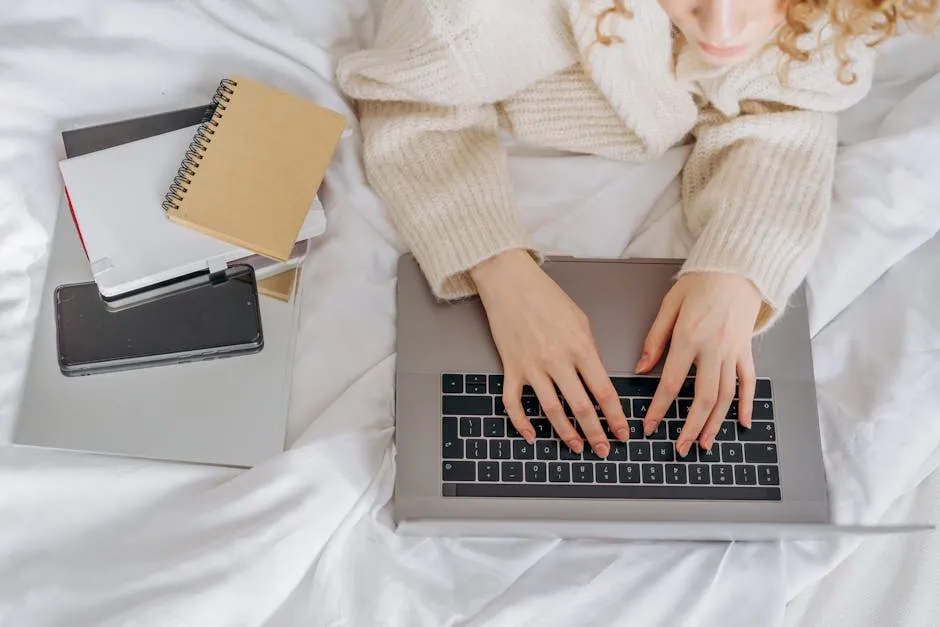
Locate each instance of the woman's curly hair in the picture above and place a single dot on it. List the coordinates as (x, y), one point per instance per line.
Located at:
(873, 21)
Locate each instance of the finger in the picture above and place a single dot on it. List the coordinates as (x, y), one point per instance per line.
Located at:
(658, 337)
(723, 404)
(707, 380)
(674, 373)
(598, 381)
(747, 381)
(512, 400)
(583, 410)
(555, 412)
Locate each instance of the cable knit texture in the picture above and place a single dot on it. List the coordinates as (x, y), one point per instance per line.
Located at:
(443, 76)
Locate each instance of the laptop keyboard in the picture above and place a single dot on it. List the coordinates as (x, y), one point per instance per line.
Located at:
(484, 456)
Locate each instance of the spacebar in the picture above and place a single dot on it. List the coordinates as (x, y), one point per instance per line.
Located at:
(564, 491)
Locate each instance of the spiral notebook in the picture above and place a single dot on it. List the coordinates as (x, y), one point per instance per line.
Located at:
(254, 167)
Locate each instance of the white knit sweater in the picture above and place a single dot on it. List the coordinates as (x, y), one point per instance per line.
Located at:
(443, 76)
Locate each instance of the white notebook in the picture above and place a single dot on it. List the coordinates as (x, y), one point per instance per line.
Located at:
(116, 197)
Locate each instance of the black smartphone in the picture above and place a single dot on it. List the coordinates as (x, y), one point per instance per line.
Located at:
(214, 316)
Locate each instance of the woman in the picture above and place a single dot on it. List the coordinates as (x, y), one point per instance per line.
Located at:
(756, 83)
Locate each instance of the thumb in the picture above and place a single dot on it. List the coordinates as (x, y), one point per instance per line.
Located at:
(659, 335)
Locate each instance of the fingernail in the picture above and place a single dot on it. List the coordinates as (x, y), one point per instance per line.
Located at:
(684, 448)
(529, 436)
(623, 434)
(575, 445)
(648, 429)
(746, 423)
(708, 442)
(602, 450)
(640, 364)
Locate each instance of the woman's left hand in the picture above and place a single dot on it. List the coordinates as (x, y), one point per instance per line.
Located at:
(707, 319)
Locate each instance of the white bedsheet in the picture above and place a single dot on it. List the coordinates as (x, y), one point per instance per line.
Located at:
(305, 539)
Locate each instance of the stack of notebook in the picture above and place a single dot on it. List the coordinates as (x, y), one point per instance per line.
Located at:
(166, 196)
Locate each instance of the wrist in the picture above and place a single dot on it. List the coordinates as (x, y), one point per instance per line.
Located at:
(499, 267)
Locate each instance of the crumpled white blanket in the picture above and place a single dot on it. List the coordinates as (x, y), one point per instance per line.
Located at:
(305, 539)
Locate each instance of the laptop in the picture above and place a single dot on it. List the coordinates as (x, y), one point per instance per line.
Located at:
(230, 412)
(463, 470)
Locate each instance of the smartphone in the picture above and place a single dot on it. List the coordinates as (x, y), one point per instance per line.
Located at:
(214, 316)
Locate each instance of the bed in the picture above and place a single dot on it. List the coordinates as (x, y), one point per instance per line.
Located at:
(306, 539)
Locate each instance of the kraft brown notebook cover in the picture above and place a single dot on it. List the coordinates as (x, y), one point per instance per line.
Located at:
(254, 167)
(280, 286)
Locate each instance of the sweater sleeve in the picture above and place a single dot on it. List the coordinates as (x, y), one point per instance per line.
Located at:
(756, 191)
(441, 172)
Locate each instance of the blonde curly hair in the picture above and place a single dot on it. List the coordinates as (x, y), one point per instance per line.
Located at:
(873, 21)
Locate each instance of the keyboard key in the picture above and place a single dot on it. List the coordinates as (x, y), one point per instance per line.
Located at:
(759, 432)
(683, 406)
(471, 427)
(476, 379)
(494, 427)
(768, 475)
(661, 432)
(452, 449)
(732, 414)
(635, 386)
(467, 405)
(640, 452)
(627, 407)
(559, 472)
(488, 471)
(722, 474)
(522, 450)
(745, 474)
(450, 428)
(618, 452)
(476, 388)
(499, 409)
(606, 472)
(511, 431)
(652, 473)
(762, 390)
(527, 390)
(674, 428)
(500, 449)
(582, 472)
(710, 457)
(675, 474)
(589, 454)
(691, 457)
(546, 449)
(451, 445)
(698, 474)
(763, 410)
(459, 471)
(628, 473)
(641, 406)
(636, 429)
(688, 388)
(536, 472)
(476, 448)
(567, 454)
(732, 453)
(511, 471)
(452, 383)
(664, 452)
(727, 432)
(530, 405)
(496, 384)
(611, 491)
(543, 428)
(760, 453)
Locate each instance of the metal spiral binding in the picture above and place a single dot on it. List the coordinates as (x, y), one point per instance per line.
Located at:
(199, 145)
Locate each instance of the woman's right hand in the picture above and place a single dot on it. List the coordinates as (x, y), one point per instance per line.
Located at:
(545, 340)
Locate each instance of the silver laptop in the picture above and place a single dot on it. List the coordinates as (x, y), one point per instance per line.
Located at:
(463, 470)
(229, 412)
